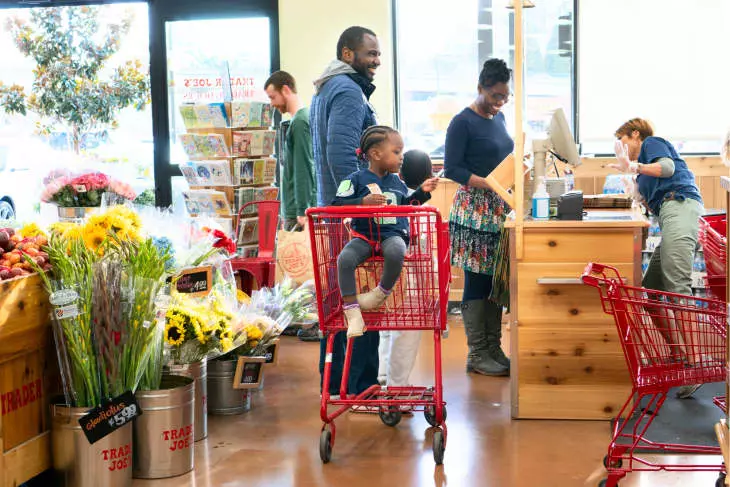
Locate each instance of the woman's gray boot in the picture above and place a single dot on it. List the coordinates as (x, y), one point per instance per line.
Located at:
(474, 314)
(494, 332)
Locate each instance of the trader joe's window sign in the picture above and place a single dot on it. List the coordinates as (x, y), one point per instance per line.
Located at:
(211, 88)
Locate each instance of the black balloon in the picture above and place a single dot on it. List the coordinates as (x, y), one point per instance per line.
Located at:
(416, 168)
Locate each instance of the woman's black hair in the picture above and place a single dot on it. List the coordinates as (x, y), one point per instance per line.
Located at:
(494, 71)
(373, 136)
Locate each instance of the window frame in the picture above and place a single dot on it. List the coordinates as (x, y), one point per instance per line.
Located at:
(161, 11)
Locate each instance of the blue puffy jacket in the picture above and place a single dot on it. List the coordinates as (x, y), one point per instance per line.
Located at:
(338, 116)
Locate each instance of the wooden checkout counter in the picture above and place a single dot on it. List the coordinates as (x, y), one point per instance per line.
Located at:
(566, 358)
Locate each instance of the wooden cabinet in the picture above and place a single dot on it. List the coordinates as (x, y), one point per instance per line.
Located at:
(567, 361)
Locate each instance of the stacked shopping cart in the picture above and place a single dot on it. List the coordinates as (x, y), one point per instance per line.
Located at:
(713, 238)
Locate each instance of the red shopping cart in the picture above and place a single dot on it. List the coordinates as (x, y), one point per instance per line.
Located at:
(669, 340)
(712, 236)
(418, 302)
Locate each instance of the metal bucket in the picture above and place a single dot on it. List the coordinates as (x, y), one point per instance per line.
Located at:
(197, 371)
(223, 398)
(77, 463)
(73, 214)
(163, 434)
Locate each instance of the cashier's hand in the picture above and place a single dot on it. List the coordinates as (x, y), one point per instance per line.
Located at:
(374, 200)
(429, 185)
(622, 157)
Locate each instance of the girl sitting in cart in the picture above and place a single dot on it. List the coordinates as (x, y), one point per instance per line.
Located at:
(378, 185)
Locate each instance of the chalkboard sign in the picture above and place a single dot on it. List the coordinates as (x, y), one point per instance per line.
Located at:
(248, 372)
(195, 282)
(110, 416)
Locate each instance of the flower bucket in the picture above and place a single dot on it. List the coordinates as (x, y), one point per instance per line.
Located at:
(74, 214)
(223, 399)
(77, 463)
(249, 372)
(198, 371)
(164, 433)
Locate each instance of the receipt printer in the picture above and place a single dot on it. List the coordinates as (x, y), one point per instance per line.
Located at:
(570, 206)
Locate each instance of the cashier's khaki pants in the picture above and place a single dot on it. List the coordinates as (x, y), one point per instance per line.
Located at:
(670, 268)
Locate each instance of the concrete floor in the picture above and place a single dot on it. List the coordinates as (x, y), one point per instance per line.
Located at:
(276, 443)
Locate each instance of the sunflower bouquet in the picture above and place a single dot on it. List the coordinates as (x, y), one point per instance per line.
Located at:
(194, 331)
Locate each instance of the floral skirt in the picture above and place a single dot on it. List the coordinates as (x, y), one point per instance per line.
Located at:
(475, 224)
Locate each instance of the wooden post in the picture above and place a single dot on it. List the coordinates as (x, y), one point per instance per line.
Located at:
(519, 136)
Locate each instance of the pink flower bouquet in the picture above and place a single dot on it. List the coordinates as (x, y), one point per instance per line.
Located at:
(83, 190)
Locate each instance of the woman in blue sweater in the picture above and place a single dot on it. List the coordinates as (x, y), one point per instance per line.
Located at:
(476, 143)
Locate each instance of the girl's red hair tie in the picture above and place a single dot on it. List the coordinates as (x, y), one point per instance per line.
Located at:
(358, 151)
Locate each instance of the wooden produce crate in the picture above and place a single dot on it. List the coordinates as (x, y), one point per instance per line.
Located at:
(27, 369)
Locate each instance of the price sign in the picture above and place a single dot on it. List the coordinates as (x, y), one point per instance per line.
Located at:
(109, 417)
(248, 372)
(251, 373)
(195, 282)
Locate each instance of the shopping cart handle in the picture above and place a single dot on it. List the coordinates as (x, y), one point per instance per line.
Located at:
(596, 274)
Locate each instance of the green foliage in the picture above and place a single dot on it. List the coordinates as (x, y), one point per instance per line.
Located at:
(73, 85)
(146, 198)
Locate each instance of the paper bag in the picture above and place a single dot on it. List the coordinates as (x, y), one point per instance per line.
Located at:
(294, 256)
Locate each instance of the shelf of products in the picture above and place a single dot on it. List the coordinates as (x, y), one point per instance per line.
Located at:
(229, 147)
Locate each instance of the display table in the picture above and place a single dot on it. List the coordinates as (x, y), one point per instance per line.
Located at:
(567, 361)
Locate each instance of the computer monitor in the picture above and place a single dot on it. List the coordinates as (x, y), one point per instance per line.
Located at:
(561, 139)
(559, 143)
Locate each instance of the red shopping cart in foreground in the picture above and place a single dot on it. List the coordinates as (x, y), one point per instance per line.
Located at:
(668, 340)
(418, 302)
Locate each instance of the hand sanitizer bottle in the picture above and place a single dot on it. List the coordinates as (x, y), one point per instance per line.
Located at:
(541, 201)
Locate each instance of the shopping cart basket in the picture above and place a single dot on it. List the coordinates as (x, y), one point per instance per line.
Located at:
(418, 302)
(669, 340)
(712, 236)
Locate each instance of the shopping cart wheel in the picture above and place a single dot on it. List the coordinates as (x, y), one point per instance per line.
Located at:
(430, 414)
(616, 464)
(438, 447)
(720, 481)
(325, 446)
(390, 417)
(604, 483)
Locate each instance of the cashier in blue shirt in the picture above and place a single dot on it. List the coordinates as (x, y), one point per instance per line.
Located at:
(668, 188)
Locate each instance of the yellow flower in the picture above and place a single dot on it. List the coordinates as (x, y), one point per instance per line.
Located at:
(226, 345)
(243, 298)
(226, 334)
(99, 220)
(65, 229)
(31, 230)
(174, 334)
(93, 237)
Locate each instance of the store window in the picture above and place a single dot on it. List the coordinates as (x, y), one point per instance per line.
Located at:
(441, 47)
(213, 61)
(74, 93)
(672, 71)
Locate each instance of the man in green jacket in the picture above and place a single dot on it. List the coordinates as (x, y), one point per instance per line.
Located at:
(298, 189)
